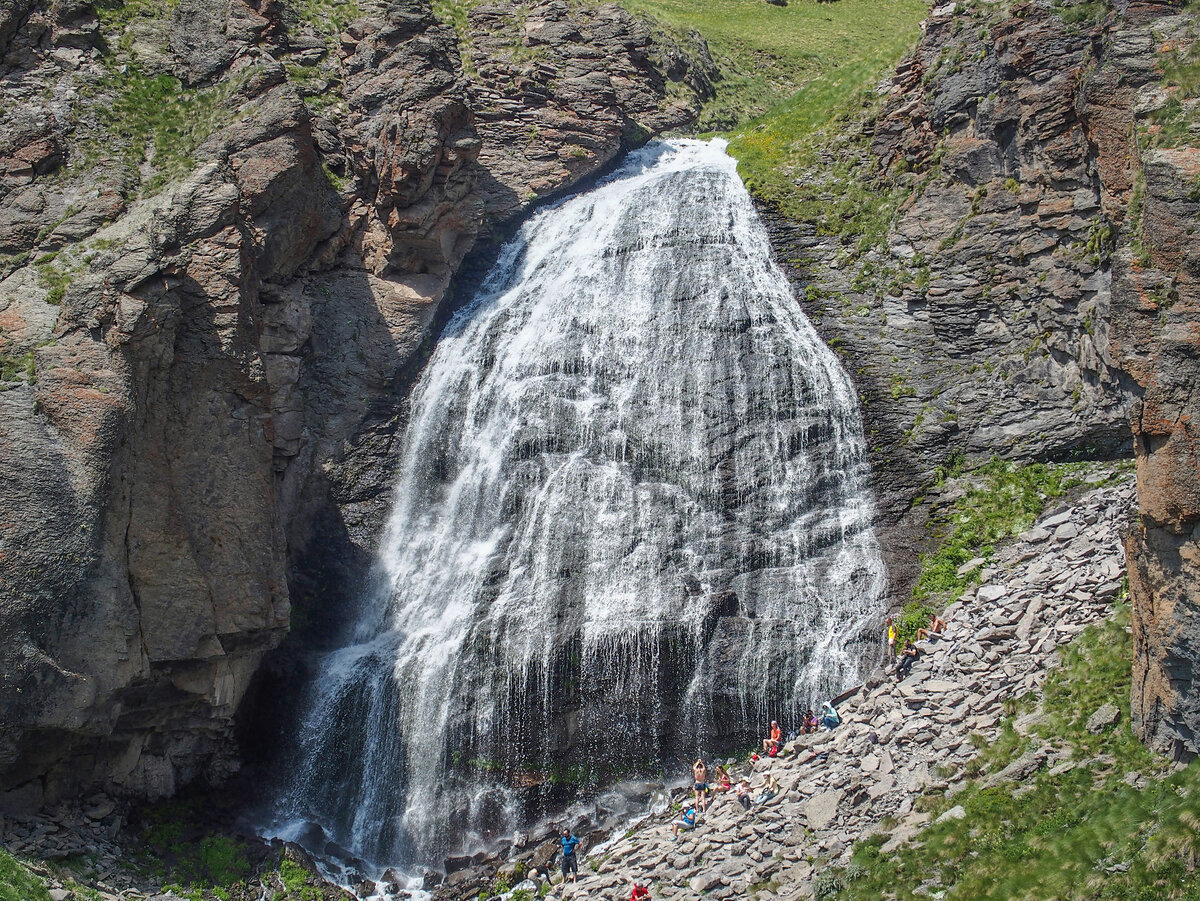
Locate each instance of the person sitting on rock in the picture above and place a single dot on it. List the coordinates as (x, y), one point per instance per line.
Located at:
(829, 716)
(686, 821)
(723, 782)
(772, 742)
(700, 783)
(907, 658)
(937, 626)
(770, 790)
(639, 893)
(808, 722)
(743, 794)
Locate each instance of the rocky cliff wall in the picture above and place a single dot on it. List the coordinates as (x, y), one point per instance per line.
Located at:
(228, 230)
(1034, 297)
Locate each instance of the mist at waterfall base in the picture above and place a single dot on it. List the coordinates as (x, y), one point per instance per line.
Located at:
(631, 522)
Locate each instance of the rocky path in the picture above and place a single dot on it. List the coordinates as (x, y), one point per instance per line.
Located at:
(897, 739)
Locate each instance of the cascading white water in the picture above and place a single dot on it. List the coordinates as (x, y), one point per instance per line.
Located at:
(631, 518)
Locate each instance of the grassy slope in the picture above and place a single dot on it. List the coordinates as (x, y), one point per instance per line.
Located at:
(795, 76)
(1085, 833)
(17, 883)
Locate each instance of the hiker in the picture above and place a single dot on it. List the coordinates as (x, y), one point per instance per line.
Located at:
(808, 722)
(937, 626)
(891, 636)
(569, 864)
(700, 784)
(770, 790)
(829, 716)
(686, 821)
(772, 742)
(743, 794)
(639, 893)
(907, 658)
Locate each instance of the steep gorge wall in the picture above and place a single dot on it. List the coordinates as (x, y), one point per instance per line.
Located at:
(213, 293)
(1035, 298)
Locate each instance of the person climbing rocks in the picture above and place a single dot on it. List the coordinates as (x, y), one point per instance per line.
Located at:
(686, 821)
(569, 863)
(700, 784)
(829, 716)
(771, 743)
(937, 626)
(907, 658)
(639, 893)
(891, 637)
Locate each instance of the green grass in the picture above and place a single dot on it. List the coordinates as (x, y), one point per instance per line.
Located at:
(17, 883)
(1174, 125)
(769, 53)
(17, 369)
(326, 17)
(1005, 502)
(1081, 834)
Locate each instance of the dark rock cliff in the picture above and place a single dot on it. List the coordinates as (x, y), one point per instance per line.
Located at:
(1035, 298)
(228, 230)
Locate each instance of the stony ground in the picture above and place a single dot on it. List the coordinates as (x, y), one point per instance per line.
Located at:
(899, 739)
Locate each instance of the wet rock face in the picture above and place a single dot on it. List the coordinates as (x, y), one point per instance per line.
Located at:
(204, 385)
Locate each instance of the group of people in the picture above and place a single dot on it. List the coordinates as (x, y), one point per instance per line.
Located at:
(772, 746)
(910, 653)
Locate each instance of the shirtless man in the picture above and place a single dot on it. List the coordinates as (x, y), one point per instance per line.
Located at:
(700, 784)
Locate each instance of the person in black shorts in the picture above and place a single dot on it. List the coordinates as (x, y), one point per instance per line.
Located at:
(700, 784)
(569, 862)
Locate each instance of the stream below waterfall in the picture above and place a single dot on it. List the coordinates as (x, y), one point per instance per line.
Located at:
(632, 522)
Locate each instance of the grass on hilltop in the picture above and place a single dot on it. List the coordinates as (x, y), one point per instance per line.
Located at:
(796, 78)
(1085, 833)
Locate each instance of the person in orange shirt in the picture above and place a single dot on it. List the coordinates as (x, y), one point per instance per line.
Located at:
(774, 740)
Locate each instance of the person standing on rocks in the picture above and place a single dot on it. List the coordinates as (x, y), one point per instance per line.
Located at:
(700, 784)
(891, 637)
(569, 862)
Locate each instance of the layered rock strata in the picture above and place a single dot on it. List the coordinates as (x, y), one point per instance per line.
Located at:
(1036, 297)
(227, 233)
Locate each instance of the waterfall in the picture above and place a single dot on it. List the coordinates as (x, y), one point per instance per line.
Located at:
(631, 520)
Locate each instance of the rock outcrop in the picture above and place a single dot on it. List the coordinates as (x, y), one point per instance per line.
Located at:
(1036, 297)
(214, 287)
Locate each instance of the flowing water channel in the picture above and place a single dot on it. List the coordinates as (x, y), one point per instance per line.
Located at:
(631, 521)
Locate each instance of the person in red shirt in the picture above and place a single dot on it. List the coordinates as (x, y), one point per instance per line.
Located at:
(639, 893)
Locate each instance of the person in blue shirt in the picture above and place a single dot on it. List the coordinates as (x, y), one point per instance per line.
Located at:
(687, 820)
(569, 862)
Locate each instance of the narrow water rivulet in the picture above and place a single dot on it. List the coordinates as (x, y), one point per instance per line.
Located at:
(631, 521)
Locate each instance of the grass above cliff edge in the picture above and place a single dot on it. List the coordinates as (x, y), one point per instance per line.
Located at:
(791, 66)
(1116, 823)
(796, 77)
